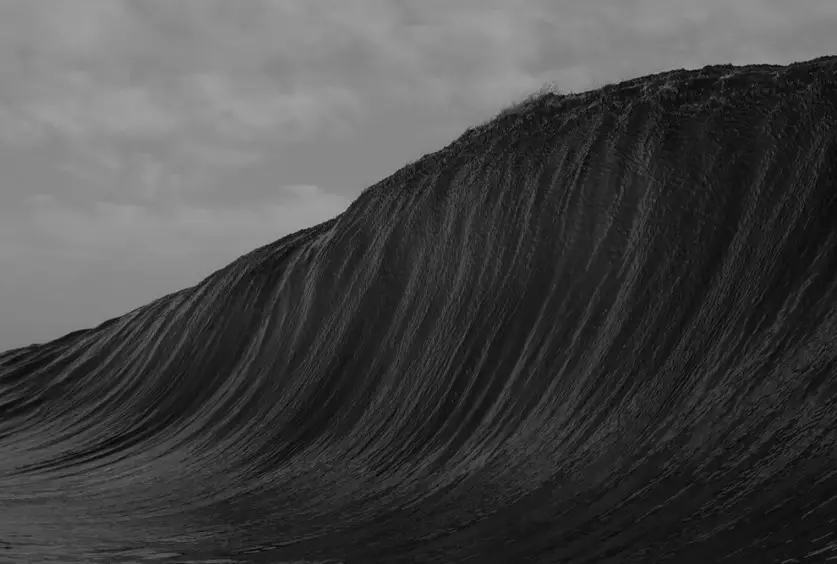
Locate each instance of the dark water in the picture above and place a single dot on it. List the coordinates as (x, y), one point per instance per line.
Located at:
(600, 328)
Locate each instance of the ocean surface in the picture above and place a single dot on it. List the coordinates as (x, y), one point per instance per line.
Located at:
(599, 328)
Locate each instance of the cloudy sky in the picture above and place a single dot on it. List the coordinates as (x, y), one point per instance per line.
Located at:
(146, 143)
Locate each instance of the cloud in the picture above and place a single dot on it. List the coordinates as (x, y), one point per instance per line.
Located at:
(66, 28)
(16, 129)
(217, 155)
(74, 104)
(104, 230)
(106, 67)
(115, 70)
(243, 106)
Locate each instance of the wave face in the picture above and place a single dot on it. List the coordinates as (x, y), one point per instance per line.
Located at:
(599, 328)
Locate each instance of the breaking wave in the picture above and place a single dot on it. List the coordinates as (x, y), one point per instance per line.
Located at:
(599, 328)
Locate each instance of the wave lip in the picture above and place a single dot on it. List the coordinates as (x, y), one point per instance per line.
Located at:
(598, 328)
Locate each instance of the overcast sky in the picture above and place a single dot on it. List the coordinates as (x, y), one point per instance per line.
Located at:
(144, 144)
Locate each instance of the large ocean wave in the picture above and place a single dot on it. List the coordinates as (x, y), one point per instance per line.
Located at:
(599, 328)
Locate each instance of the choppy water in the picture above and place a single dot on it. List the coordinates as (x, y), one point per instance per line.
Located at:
(600, 328)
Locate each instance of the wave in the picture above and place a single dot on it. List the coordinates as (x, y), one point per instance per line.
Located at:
(598, 328)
